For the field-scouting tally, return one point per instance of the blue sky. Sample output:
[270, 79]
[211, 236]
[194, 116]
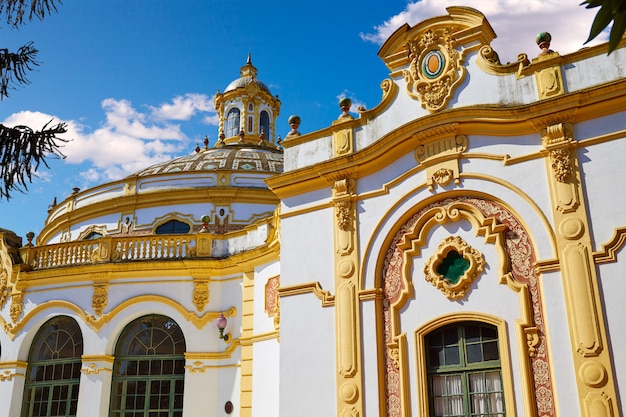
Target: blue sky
[135, 79]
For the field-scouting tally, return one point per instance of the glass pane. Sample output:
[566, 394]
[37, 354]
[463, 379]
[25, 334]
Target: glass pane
[490, 350]
[489, 333]
[474, 353]
[451, 336]
[452, 355]
[435, 357]
[472, 334]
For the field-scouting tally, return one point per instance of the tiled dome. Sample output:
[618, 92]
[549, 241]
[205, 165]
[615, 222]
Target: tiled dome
[231, 157]
[244, 82]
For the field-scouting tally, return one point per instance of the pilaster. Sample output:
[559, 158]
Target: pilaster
[592, 362]
[95, 386]
[347, 312]
[247, 332]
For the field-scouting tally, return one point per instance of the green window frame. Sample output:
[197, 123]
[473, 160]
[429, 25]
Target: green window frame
[464, 371]
[53, 371]
[172, 227]
[149, 369]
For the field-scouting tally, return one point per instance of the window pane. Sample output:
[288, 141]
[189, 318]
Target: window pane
[452, 355]
[451, 336]
[472, 334]
[474, 353]
[490, 350]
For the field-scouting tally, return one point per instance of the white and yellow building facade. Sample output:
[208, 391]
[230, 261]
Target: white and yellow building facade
[454, 251]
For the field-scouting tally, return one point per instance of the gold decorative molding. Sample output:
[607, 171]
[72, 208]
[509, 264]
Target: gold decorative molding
[9, 370]
[94, 364]
[612, 247]
[441, 159]
[343, 195]
[347, 312]
[435, 68]
[549, 82]
[17, 305]
[532, 340]
[475, 263]
[200, 296]
[596, 385]
[325, 296]
[100, 297]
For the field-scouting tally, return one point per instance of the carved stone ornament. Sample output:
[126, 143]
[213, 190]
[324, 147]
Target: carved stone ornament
[434, 69]
[17, 305]
[100, 298]
[200, 295]
[454, 267]
[561, 164]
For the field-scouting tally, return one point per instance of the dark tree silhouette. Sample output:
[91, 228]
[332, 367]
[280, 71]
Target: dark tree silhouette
[23, 149]
[610, 11]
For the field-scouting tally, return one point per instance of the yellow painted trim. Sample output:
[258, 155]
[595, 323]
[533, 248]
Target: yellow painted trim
[421, 395]
[261, 337]
[97, 323]
[143, 200]
[327, 299]
[609, 250]
[98, 358]
[488, 120]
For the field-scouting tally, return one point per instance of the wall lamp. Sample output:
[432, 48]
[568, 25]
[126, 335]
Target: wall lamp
[221, 323]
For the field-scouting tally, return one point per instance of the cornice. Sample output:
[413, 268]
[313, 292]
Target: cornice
[494, 120]
[151, 199]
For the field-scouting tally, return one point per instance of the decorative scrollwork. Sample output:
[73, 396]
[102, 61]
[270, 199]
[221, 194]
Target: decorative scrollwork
[454, 267]
[435, 68]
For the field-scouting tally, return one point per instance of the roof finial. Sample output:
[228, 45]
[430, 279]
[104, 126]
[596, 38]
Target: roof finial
[249, 61]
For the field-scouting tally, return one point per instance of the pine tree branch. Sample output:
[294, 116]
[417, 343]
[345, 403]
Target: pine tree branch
[14, 67]
[22, 150]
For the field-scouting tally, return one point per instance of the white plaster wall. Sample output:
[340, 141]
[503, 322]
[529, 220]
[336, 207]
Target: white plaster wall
[595, 70]
[307, 359]
[308, 254]
[263, 323]
[559, 344]
[612, 290]
[307, 153]
[370, 358]
[265, 378]
[603, 173]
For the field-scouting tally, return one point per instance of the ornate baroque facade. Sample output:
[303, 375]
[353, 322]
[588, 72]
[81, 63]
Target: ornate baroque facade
[455, 250]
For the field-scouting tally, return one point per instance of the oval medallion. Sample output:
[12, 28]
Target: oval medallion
[433, 63]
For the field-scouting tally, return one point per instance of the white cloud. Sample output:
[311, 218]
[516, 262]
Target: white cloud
[128, 140]
[184, 107]
[515, 22]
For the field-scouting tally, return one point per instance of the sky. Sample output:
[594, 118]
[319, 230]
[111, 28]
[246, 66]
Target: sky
[134, 79]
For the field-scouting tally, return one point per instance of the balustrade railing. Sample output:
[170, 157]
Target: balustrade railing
[113, 249]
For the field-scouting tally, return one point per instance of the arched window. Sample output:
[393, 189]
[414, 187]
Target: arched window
[264, 124]
[464, 376]
[149, 369]
[232, 122]
[172, 227]
[93, 235]
[53, 372]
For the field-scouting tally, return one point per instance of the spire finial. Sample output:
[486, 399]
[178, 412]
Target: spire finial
[249, 61]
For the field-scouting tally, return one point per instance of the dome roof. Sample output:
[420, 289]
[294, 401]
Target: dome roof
[244, 82]
[248, 76]
[237, 157]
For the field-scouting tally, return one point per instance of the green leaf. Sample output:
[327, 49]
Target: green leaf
[601, 21]
[617, 31]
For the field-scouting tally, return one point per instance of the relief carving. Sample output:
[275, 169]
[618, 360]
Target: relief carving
[434, 68]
